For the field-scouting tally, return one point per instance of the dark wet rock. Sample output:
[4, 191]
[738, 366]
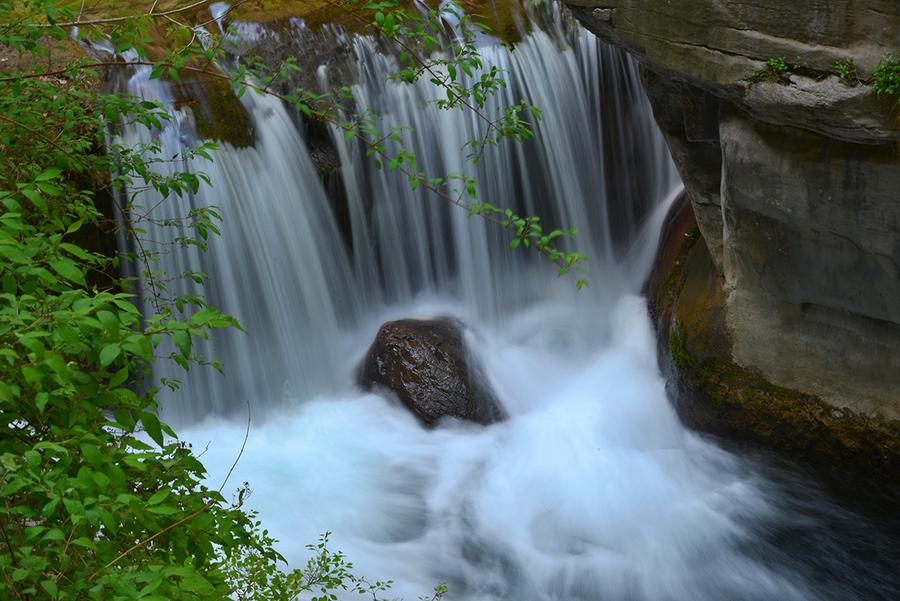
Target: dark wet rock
[218, 113]
[426, 365]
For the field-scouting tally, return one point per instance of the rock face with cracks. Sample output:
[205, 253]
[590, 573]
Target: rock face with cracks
[793, 175]
[857, 455]
[426, 365]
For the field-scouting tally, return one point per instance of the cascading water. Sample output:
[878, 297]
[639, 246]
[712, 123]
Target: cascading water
[281, 266]
[591, 489]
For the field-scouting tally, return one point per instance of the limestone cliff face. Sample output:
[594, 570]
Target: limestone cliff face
[795, 183]
[715, 44]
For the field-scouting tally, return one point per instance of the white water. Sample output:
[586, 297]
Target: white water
[281, 267]
[591, 489]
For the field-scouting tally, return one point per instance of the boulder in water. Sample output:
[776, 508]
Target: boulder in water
[425, 364]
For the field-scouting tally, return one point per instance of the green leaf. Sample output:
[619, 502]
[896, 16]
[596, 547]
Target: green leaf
[74, 227]
[48, 174]
[153, 427]
[49, 189]
[101, 480]
[91, 453]
[163, 510]
[40, 401]
[51, 588]
[32, 458]
[32, 375]
[158, 497]
[83, 541]
[119, 378]
[69, 270]
[182, 341]
[35, 198]
[109, 354]
[8, 393]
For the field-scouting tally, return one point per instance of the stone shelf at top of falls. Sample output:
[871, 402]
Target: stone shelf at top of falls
[319, 37]
[316, 35]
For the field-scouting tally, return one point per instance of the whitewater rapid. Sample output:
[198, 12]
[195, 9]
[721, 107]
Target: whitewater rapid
[591, 489]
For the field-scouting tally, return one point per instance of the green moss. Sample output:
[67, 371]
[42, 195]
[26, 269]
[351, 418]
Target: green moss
[677, 350]
[667, 288]
[672, 286]
[218, 114]
[691, 238]
[718, 396]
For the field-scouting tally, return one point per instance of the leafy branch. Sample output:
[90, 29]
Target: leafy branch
[100, 498]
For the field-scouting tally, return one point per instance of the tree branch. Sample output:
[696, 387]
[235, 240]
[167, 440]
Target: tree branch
[191, 516]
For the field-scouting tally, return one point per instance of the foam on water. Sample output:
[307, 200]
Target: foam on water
[591, 489]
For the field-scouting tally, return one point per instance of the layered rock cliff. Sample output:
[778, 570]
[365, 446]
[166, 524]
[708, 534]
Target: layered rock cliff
[794, 177]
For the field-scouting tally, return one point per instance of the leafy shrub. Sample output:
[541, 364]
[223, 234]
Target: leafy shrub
[886, 79]
[847, 72]
[774, 70]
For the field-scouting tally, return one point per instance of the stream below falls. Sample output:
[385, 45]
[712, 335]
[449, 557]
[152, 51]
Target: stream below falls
[591, 489]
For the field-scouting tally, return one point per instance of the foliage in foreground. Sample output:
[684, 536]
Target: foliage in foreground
[97, 502]
[99, 498]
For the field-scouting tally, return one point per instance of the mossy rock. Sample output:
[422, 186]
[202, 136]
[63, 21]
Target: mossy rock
[858, 456]
[218, 113]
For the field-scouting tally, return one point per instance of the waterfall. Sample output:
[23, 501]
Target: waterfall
[282, 267]
[591, 488]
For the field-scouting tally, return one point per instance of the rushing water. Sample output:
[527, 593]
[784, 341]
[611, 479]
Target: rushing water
[591, 489]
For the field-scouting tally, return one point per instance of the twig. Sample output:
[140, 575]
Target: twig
[12, 552]
[126, 220]
[422, 62]
[109, 20]
[191, 516]
[41, 136]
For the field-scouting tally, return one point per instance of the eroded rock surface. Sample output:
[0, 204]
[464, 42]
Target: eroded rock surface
[859, 456]
[795, 182]
[426, 365]
[779, 313]
[715, 44]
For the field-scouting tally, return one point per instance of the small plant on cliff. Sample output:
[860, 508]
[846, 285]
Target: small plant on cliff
[886, 79]
[774, 70]
[847, 72]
